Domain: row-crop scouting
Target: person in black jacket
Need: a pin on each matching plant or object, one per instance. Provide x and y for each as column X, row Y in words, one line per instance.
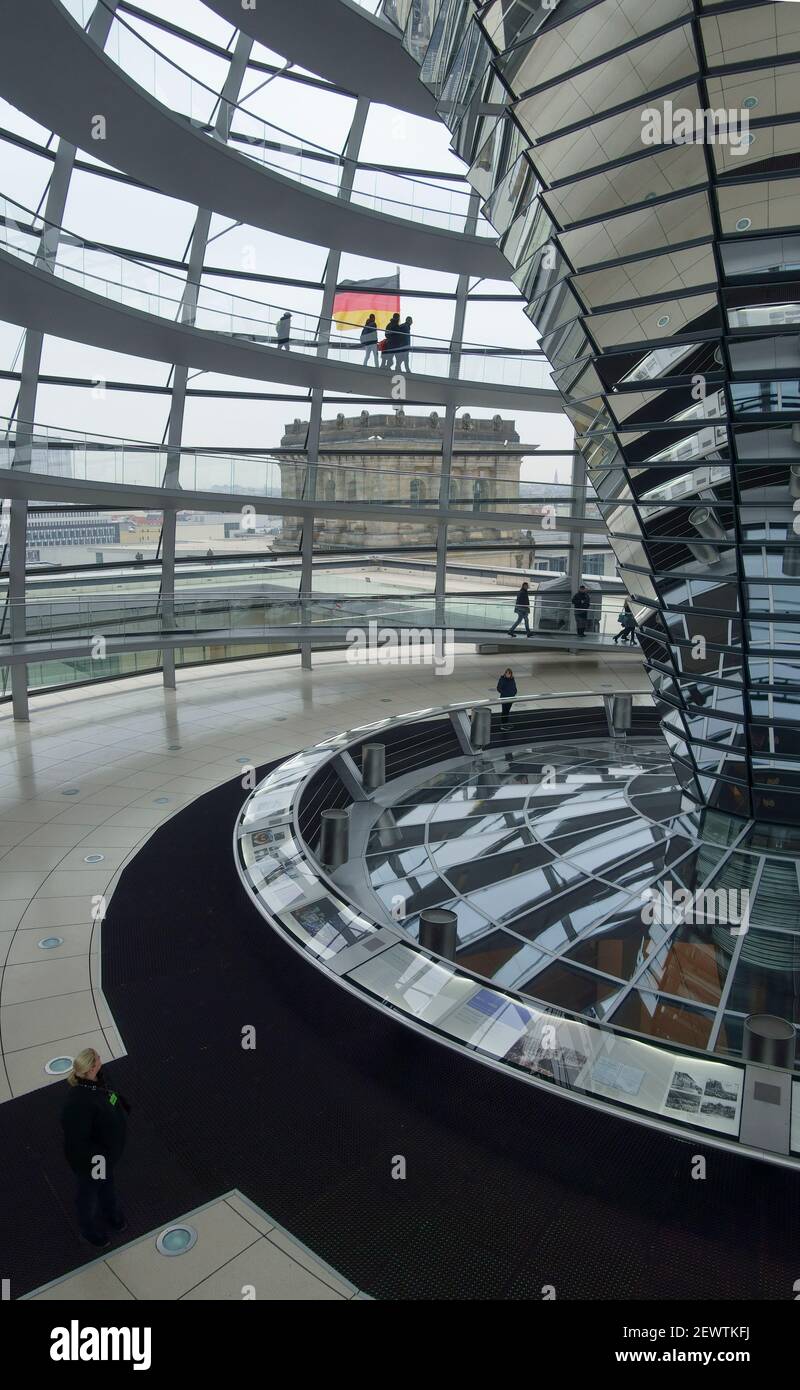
column 522, row 608
column 403, row 345
column 392, row 341
column 581, row 602
column 506, row 688
column 283, row 329
column 94, row 1121
column 369, row 341
column 628, row 628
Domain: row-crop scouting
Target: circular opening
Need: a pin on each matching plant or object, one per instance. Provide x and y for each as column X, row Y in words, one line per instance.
column 58, row 1065
column 743, row 224
column 93, row 858
column 749, row 103
column 769, row 1026
column 663, row 321
column 176, row 1240
column 70, row 791
column 49, row 943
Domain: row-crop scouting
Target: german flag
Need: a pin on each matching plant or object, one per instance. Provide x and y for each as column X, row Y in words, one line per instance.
column 355, row 300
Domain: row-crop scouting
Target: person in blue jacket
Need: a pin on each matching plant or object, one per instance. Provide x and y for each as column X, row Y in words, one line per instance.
column 506, row 689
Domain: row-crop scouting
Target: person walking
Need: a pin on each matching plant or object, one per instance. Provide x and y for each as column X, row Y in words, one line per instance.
column 506, row 689
column 283, row 329
column 369, row 341
column 94, row 1121
column 391, row 342
column 403, row 344
column 522, row 608
column 628, row 625
column 581, row 602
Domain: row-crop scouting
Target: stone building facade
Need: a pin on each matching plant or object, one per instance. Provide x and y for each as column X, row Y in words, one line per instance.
column 486, row 477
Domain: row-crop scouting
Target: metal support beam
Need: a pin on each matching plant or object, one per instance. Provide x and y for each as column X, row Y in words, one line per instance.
column 188, row 314
column 331, row 279
column 578, row 484
column 459, row 318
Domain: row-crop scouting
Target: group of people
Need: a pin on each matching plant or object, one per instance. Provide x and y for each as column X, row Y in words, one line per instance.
column 581, row 602
column 390, row 351
column 393, row 348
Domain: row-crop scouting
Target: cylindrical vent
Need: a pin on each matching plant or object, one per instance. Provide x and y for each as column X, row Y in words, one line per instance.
column 480, row 733
column 373, row 766
column 334, row 839
column 705, row 523
column 769, row 1040
column 621, row 713
column 438, row 931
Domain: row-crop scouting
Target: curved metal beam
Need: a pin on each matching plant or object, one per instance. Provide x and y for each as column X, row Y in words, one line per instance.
column 35, row 299
column 338, row 40
column 26, row 653
column 47, row 488
column 54, row 73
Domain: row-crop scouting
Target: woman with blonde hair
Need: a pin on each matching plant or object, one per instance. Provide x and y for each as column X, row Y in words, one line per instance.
column 94, row 1123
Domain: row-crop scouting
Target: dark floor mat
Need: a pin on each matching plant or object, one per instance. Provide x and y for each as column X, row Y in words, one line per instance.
column 508, row 1188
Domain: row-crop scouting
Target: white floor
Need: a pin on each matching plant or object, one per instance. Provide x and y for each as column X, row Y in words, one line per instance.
column 240, row 1255
column 97, row 770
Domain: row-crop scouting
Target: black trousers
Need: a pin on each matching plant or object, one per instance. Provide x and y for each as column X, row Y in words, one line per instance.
column 98, row 1207
column 505, row 710
column 581, row 619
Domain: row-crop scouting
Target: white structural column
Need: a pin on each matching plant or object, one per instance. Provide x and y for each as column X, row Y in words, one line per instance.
column 188, row 314
column 456, row 341
column 350, row 157
column 55, row 203
column 578, row 510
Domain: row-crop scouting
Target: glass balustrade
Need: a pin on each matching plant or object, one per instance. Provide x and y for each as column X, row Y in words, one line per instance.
column 421, row 200
column 148, row 290
column 115, row 618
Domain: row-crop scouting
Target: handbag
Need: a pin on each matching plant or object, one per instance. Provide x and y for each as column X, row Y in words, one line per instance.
column 383, row 344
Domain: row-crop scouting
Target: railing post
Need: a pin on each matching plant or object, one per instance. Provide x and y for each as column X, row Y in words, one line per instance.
column 438, row 931
column 373, row 765
column 480, row 733
column 334, row 840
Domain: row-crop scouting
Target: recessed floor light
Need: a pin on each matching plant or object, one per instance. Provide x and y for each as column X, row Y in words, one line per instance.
column 749, row 103
column 159, row 800
column 70, row 791
column 58, row 1065
column 49, row 943
column 93, row 858
column 743, row 224
column 173, row 747
column 176, row 1240
column 663, row 321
